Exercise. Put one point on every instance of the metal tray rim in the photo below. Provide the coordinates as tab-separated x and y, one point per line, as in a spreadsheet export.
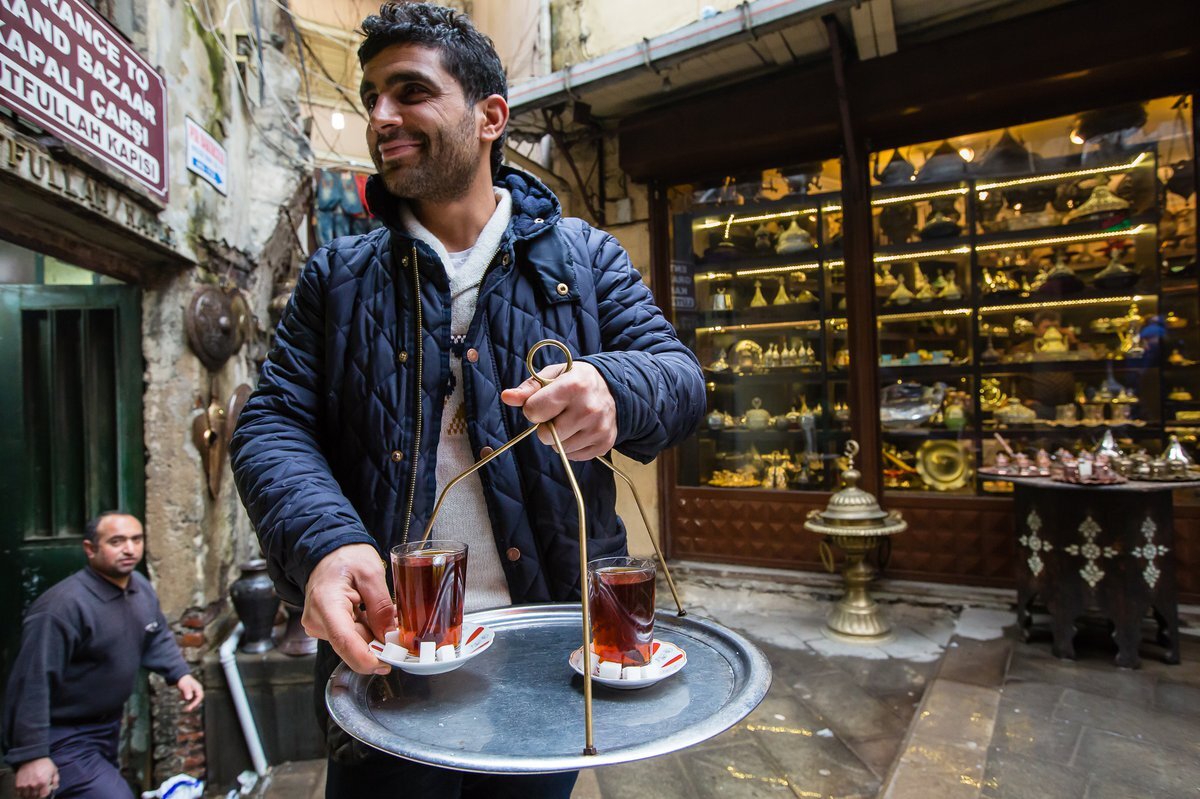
752	676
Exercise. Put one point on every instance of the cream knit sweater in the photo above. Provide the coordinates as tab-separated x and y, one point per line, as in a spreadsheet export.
464	517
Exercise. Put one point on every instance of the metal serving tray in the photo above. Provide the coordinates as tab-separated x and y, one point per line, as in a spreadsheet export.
518	708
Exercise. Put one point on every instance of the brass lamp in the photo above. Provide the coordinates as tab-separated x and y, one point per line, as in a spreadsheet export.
854	522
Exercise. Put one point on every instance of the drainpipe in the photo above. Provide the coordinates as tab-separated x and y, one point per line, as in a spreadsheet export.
238	692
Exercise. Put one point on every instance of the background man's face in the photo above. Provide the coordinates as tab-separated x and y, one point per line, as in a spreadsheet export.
422	134
119	546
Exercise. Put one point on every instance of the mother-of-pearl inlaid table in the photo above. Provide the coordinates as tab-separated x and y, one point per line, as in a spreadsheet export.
1105	550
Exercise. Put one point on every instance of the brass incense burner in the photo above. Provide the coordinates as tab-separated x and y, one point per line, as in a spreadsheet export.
854	522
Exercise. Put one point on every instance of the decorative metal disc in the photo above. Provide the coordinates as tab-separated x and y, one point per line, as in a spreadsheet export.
211	327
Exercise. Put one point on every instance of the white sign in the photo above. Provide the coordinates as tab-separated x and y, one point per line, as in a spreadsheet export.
206	157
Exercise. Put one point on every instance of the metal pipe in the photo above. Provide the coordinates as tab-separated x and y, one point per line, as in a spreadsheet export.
237	691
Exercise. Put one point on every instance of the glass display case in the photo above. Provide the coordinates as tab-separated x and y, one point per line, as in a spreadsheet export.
753	296
1035	287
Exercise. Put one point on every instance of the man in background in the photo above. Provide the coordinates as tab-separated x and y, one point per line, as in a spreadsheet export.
82	643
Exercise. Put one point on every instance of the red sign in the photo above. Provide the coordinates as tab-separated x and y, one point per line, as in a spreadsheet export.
67	69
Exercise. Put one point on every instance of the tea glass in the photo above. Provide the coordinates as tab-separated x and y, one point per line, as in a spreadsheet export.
430	579
621	600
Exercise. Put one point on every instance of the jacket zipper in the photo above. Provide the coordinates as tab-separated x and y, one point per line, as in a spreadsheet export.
412	489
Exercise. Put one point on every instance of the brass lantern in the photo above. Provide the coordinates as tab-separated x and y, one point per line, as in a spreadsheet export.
854	522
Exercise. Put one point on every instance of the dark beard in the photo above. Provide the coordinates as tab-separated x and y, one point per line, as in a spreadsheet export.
436	179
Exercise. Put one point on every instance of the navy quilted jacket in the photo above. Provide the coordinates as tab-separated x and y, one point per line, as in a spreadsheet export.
337	441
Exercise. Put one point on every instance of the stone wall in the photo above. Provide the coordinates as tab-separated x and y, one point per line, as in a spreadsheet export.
242	239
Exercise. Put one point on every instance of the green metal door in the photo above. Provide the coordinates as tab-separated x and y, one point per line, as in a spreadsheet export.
70	432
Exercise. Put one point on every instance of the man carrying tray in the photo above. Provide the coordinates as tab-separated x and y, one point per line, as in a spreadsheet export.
400	362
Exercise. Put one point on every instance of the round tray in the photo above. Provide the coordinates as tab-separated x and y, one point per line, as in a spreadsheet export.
518	708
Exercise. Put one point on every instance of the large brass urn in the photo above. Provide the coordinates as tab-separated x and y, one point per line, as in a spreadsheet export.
854	522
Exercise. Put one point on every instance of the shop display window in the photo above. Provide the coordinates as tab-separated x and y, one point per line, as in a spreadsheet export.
1036	290
752	294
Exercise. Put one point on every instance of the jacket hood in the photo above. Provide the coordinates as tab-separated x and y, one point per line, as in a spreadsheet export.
534	206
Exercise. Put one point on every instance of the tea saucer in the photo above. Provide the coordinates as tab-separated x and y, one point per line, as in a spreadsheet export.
665	655
476	639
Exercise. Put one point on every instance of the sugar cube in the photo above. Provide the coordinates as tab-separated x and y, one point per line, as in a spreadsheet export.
610	670
631	673
428	651
651	671
446	652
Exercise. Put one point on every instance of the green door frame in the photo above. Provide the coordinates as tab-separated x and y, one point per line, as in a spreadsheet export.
28	563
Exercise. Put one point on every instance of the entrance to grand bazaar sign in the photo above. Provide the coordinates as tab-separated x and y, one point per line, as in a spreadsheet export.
64	67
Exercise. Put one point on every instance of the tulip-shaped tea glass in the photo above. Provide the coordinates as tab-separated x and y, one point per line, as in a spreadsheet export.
431	579
621	593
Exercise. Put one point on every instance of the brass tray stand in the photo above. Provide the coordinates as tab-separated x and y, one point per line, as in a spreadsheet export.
589	746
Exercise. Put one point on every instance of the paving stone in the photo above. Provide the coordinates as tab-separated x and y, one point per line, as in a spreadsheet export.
667	775
903	703
848	709
587	786
1033	735
830	647
911	645
1111	788
936	771
1177	697
984	623
1131	720
816	764
1011	776
1107	681
1034	698
887	676
955	713
976	662
1162	771
877	755
740	770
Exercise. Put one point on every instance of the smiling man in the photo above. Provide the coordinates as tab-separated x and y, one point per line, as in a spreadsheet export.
82	643
400	362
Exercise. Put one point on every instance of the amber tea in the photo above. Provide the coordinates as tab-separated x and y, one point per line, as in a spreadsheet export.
621	599
430	579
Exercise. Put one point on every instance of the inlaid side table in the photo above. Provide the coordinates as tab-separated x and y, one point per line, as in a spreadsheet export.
1098	550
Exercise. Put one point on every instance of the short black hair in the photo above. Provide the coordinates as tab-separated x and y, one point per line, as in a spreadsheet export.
91	530
467	54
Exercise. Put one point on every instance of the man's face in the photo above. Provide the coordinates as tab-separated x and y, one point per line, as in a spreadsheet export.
422	134
118	548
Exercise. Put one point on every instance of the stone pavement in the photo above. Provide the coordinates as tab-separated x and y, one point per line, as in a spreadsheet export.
997	720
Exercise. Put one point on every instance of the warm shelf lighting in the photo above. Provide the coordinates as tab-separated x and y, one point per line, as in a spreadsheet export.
808	324
774	270
915	315
1106	234
929	195
742	220
887	259
1078	173
713	276
1029	306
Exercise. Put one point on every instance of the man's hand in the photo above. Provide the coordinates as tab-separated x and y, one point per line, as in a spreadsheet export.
578	402
345	579
190	691
37	779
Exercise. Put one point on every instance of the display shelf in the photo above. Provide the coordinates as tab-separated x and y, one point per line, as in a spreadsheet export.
890	374
1100	365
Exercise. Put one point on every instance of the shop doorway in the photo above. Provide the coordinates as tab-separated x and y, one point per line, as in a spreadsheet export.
71	437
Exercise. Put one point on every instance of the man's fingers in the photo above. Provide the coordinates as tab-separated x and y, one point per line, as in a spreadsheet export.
380	611
350	643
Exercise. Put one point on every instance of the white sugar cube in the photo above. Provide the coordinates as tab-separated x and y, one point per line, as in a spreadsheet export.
631	673
1085	469
651	671
446	652
428	650
610	670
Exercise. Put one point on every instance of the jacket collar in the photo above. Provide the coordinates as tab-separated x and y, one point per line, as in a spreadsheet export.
534	207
